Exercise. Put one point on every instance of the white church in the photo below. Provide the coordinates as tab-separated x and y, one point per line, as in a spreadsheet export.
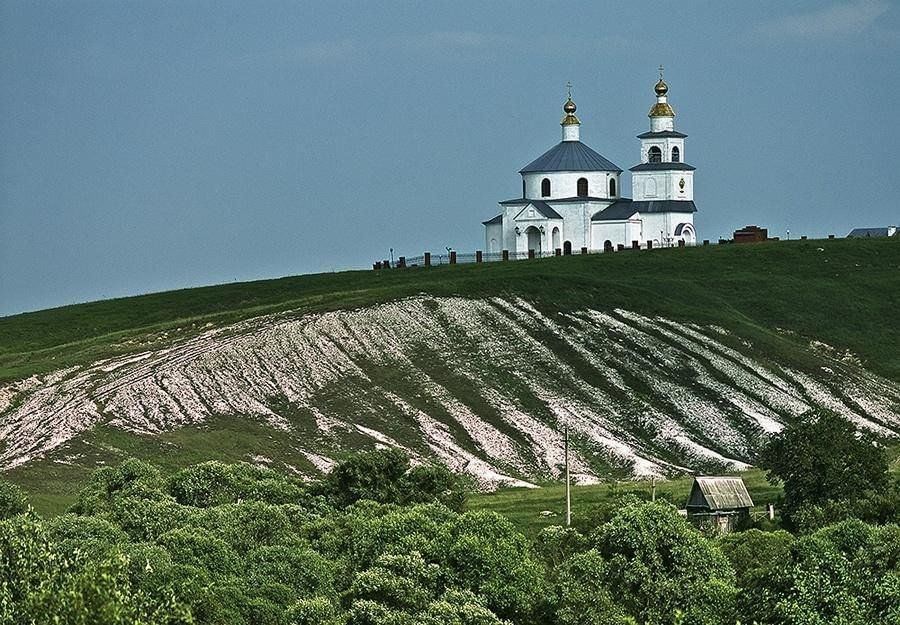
570	194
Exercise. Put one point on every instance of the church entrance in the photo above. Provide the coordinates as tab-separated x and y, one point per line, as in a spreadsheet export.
567	248
534	239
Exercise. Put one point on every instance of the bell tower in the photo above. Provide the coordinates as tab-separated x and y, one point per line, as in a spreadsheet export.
662	173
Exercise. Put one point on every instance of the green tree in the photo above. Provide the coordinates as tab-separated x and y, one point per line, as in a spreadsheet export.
823	460
657	565
581	596
13	500
215	483
132	479
759	560
385	476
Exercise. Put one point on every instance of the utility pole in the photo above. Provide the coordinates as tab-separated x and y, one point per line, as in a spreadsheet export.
568	487
652	488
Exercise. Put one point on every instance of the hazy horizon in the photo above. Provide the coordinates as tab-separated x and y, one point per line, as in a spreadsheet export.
155	146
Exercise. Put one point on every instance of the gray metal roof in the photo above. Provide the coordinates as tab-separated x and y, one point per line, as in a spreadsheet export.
625	208
662	134
663	167
522	200
570	156
494	220
888	231
544	209
719	493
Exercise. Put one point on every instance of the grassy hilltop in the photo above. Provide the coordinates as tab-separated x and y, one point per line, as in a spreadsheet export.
602	339
844	292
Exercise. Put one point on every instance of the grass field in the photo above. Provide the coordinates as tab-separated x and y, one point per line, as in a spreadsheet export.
779	295
524	506
843	292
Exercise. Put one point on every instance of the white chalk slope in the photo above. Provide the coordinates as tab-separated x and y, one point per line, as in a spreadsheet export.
482	385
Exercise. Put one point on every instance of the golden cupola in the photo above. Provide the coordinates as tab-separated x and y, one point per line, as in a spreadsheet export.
662	108
569	109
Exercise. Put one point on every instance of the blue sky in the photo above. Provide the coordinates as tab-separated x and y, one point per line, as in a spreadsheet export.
155	145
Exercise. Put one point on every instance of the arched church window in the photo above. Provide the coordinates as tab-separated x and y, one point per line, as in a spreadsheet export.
612	187
582	187
545	187
676	154
655	155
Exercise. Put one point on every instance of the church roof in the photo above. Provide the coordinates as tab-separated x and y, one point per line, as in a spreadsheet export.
569	156
663	167
495	220
625	208
662	134
544	209
522	200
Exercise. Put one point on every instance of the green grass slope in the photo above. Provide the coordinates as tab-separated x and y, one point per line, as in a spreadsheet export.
844	292
774	298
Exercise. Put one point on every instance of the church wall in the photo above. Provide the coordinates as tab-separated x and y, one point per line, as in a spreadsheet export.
665	145
493	232
677	192
577	221
666	184
654	223
658	124
565	184
616	232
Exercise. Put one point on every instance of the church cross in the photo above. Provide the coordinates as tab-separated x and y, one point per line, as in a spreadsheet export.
660	72
569	88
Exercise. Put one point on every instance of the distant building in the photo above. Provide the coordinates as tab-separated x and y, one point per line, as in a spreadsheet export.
720	503
572	195
864	233
751	234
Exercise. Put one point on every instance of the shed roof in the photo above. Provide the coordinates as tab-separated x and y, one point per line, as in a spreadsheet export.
570	156
719	493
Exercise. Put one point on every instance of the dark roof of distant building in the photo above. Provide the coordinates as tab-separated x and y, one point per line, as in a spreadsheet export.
663	167
719	493
662	134
522	200
625	208
494	220
887	231
570	156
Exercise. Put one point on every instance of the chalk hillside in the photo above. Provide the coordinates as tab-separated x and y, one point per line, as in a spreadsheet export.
661	363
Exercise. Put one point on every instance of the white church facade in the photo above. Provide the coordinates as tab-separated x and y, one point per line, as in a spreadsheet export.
571	194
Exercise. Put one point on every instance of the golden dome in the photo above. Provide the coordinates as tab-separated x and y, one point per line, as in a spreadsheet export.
569	119
661	109
661	88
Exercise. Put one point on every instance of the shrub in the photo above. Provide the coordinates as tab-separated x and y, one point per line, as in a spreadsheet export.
657	565
13	500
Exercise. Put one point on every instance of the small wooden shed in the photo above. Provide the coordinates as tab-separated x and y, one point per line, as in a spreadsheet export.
719	503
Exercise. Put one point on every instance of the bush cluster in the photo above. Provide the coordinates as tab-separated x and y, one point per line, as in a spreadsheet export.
379	542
